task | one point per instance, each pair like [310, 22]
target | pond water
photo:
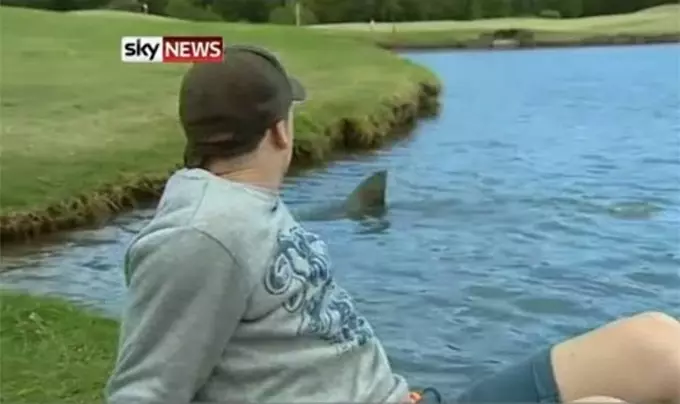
[543, 201]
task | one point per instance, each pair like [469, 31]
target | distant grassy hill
[649, 25]
[83, 132]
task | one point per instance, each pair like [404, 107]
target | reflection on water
[544, 201]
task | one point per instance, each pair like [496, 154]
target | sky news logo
[171, 49]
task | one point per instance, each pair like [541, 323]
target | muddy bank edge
[490, 43]
[98, 206]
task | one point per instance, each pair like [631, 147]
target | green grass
[74, 117]
[53, 351]
[651, 22]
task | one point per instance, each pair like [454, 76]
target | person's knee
[656, 331]
[598, 400]
[656, 337]
[657, 319]
[635, 358]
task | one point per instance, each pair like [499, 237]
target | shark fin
[368, 198]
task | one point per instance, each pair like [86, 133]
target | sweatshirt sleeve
[186, 296]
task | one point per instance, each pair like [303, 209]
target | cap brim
[299, 92]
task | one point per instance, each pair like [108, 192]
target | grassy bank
[654, 25]
[84, 135]
[53, 351]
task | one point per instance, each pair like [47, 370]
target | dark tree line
[413, 10]
[331, 11]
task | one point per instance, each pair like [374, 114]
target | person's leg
[598, 400]
[636, 360]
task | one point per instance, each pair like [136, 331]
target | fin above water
[633, 210]
[368, 198]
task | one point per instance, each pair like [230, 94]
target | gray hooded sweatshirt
[231, 300]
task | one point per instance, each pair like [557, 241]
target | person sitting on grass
[230, 299]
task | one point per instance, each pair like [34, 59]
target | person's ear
[280, 135]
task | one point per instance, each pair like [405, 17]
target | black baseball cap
[225, 108]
